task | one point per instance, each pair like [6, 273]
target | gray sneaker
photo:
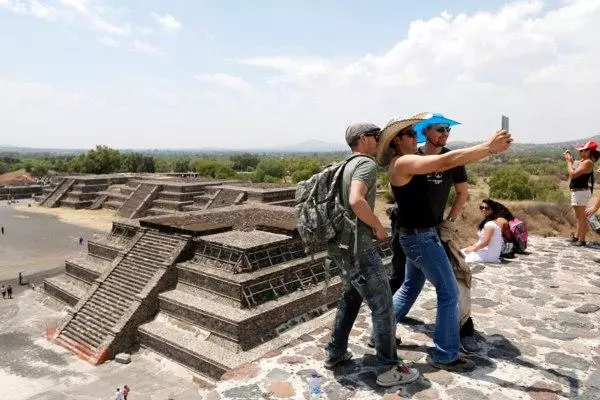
[468, 344]
[461, 364]
[399, 375]
[332, 362]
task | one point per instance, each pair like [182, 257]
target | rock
[567, 361]
[555, 334]
[587, 309]
[428, 394]
[594, 379]
[291, 360]
[243, 372]
[123, 358]
[465, 394]
[393, 396]
[277, 374]
[281, 390]
[522, 293]
[243, 392]
[213, 396]
[575, 320]
[430, 304]
[484, 302]
[442, 377]
[561, 304]
[544, 390]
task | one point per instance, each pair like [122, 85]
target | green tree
[511, 183]
[303, 168]
[269, 170]
[181, 165]
[214, 169]
[102, 160]
[244, 162]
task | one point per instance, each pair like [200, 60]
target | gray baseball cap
[355, 130]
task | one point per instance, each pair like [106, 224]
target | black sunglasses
[484, 208]
[410, 133]
[443, 129]
[373, 134]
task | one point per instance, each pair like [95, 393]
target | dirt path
[100, 220]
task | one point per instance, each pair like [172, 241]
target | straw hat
[384, 152]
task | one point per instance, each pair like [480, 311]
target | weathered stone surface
[242, 372]
[281, 390]
[291, 360]
[123, 358]
[213, 396]
[587, 309]
[567, 361]
[393, 396]
[244, 392]
[277, 374]
[484, 302]
[544, 390]
[522, 293]
[465, 394]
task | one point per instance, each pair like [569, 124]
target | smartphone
[504, 123]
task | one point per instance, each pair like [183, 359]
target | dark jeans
[372, 286]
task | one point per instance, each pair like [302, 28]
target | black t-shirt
[437, 187]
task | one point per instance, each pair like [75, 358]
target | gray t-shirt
[362, 169]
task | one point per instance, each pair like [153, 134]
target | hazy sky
[155, 74]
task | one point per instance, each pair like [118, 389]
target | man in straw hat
[370, 283]
[417, 228]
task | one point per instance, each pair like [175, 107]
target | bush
[244, 162]
[303, 169]
[273, 169]
[214, 169]
[511, 183]
[546, 188]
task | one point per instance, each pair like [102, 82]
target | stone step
[183, 347]
[132, 284]
[94, 321]
[82, 335]
[246, 328]
[159, 211]
[115, 292]
[112, 313]
[150, 254]
[121, 287]
[137, 274]
[152, 237]
[232, 286]
[105, 300]
[65, 288]
[87, 329]
[130, 265]
[78, 342]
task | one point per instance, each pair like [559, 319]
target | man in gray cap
[370, 282]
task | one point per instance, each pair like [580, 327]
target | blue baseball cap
[432, 119]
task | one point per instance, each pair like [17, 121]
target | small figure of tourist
[9, 291]
[125, 391]
[3, 290]
[80, 240]
[2, 230]
[20, 278]
[119, 395]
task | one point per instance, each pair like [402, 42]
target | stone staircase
[142, 197]
[59, 192]
[97, 204]
[105, 320]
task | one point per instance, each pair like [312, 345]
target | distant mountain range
[309, 146]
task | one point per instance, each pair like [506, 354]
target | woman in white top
[488, 247]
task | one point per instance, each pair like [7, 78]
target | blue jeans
[427, 259]
[370, 285]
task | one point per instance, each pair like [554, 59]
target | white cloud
[143, 47]
[536, 63]
[109, 42]
[88, 14]
[224, 80]
[167, 22]
[104, 26]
